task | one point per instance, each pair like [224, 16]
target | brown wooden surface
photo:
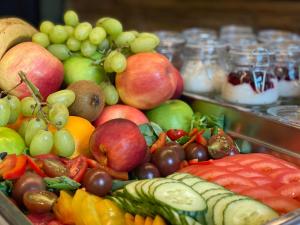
[180, 14]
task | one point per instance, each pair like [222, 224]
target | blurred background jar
[201, 70]
[286, 68]
[197, 35]
[171, 45]
[233, 29]
[251, 80]
[276, 36]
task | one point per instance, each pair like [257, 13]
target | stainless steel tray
[264, 134]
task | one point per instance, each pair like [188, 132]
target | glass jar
[235, 29]
[201, 71]
[251, 80]
[198, 35]
[276, 36]
[171, 45]
[286, 68]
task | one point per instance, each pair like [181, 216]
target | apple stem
[35, 94]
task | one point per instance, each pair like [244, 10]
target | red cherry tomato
[77, 168]
[175, 134]
[36, 165]
[41, 219]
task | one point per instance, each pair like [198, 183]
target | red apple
[119, 144]
[121, 111]
[42, 69]
[147, 81]
[179, 87]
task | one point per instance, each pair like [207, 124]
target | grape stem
[35, 94]
[8, 91]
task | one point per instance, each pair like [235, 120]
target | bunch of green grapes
[105, 42]
[10, 108]
[54, 113]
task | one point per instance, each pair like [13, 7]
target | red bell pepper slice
[175, 134]
[160, 142]
[77, 168]
[35, 165]
[18, 170]
[200, 139]
[47, 156]
[8, 163]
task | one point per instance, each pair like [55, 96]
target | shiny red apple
[147, 82]
[119, 144]
[121, 111]
[179, 87]
[44, 70]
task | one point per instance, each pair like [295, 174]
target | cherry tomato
[36, 165]
[175, 134]
[77, 167]
[40, 218]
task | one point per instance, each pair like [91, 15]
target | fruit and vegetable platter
[93, 132]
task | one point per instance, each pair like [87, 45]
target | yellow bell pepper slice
[158, 221]
[109, 213]
[77, 201]
[148, 221]
[63, 208]
[139, 220]
[89, 213]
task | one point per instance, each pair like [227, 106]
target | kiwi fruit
[89, 100]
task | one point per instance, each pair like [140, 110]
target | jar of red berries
[251, 80]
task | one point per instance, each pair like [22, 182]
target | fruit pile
[270, 180]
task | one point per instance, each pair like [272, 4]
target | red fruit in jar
[44, 70]
[147, 81]
[121, 111]
[119, 144]
[221, 145]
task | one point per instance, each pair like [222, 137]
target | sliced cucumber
[130, 190]
[248, 211]
[138, 189]
[191, 221]
[204, 186]
[146, 186]
[178, 196]
[221, 205]
[157, 183]
[178, 176]
[207, 194]
[210, 204]
[190, 181]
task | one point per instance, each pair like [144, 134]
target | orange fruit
[16, 125]
[81, 130]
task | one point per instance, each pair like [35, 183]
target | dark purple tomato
[166, 160]
[54, 168]
[221, 145]
[147, 157]
[147, 171]
[196, 151]
[97, 181]
[177, 148]
[29, 181]
[39, 201]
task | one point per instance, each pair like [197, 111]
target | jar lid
[235, 29]
[196, 35]
[205, 49]
[239, 39]
[276, 36]
[170, 38]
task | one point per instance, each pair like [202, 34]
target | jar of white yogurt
[201, 70]
[251, 80]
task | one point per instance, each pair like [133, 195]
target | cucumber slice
[178, 196]
[138, 189]
[191, 221]
[204, 186]
[207, 194]
[210, 204]
[190, 181]
[146, 186]
[178, 176]
[248, 211]
[157, 183]
[130, 190]
[221, 205]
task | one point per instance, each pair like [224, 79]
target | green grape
[41, 143]
[60, 51]
[29, 106]
[41, 39]
[97, 56]
[97, 35]
[46, 27]
[58, 115]
[82, 31]
[124, 39]
[66, 97]
[118, 62]
[71, 18]
[143, 44]
[15, 107]
[146, 34]
[104, 45]
[112, 26]
[23, 128]
[4, 112]
[70, 30]
[64, 143]
[110, 93]
[88, 49]
[73, 44]
[33, 126]
[107, 65]
[134, 32]
[58, 35]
